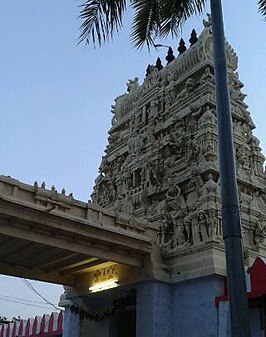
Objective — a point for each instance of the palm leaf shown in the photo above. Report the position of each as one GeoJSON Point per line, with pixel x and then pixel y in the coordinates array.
{"type": "Point", "coordinates": [174, 13]}
{"type": "Point", "coordinates": [262, 7]}
{"type": "Point", "coordinates": [146, 21]}
{"type": "Point", "coordinates": [158, 18]}
{"type": "Point", "coordinates": [101, 20]}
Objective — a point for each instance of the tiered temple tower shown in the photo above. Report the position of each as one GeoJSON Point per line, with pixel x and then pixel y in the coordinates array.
{"type": "Point", "coordinates": [160, 170]}
{"type": "Point", "coordinates": [161, 162]}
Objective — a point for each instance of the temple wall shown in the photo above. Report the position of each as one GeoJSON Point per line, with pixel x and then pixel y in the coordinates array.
{"type": "Point", "coordinates": [154, 309]}
{"type": "Point", "coordinates": [195, 314]}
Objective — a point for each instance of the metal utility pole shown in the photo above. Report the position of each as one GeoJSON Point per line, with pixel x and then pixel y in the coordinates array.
{"type": "Point", "coordinates": [230, 206]}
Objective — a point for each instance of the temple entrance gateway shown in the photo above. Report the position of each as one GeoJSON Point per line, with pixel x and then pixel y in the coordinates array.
{"type": "Point", "coordinates": [150, 241]}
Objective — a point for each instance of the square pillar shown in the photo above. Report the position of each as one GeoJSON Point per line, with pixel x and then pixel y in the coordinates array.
{"type": "Point", "coordinates": [195, 313]}
{"type": "Point", "coordinates": [71, 324]}
{"type": "Point", "coordinates": [154, 310]}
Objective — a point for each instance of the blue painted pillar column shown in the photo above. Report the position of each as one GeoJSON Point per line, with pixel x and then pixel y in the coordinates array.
{"type": "Point", "coordinates": [154, 310]}
{"type": "Point", "coordinates": [71, 322]}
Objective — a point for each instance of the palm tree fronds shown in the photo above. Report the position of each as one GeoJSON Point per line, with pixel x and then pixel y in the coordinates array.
{"type": "Point", "coordinates": [145, 22]}
{"type": "Point", "coordinates": [101, 20]}
{"type": "Point", "coordinates": [174, 13]}
{"type": "Point", "coordinates": [158, 18]}
{"type": "Point", "coordinates": [262, 7]}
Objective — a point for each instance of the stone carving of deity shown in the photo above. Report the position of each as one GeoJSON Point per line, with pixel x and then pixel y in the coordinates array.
{"type": "Point", "coordinates": [174, 198]}
{"type": "Point", "coordinates": [190, 85]}
{"type": "Point", "coordinates": [203, 226]}
{"type": "Point", "coordinates": [139, 143]}
{"type": "Point", "coordinates": [257, 203]}
{"type": "Point", "coordinates": [215, 230]}
{"type": "Point", "coordinates": [151, 78]}
{"type": "Point", "coordinates": [169, 100]}
{"type": "Point", "coordinates": [193, 196]}
{"type": "Point", "coordinates": [179, 237]}
{"type": "Point", "coordinates": [117, 109]}
{"type": "Point", "coordinates": [210, 187]}
{"type": "Point", "coordinates": [208, 76]}
{"type": "Point", "coordinates": [113, 138]}
{"type": "Point", "coordinates": [126, 204]}
{"type": "Point", "coordinates": [133, 86]}
{"type": "Point", "coordinates": [260, 230]}
{"type": "Point", "coordinates": [245, 198]}
{"type": "Point", "coordinates": [191, 125]}
{"type": "Point", "coordinates": [169, 162]}
{"type": "Point", "coordinates": [207, 118]}
{"type": "Point", "coordinates": [235, 87]}
{"type": "Point", "coordinates": [154, 108]}
{"type": "Point", "coordinates": [126, 178]}
{"type": "Point", "coordinates": [242, 160]}
{"type": "Point", "coordinates": [193, 152]}
{"type": "Point", "coordinates": [197, 227]}
{"type": "Point", "coordinates": [238, 130]}
{"type": "Point", "coordinates": [256, 159]}
{"type": "Point", "coordinates": [165, 233]}
{"type": "Point", "coordinates": [191, 228]}
{"type": "Point", "coordinates": [179, 128]}
{"type": "Point", "coordinates": [209, 149]}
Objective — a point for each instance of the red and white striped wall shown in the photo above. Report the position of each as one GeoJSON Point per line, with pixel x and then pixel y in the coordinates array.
{"type": "Point", "coordinates": [45, 326]}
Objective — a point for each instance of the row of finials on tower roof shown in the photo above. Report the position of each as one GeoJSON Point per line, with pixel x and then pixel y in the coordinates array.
{"type": "Point", "coordinates": [170, 53]}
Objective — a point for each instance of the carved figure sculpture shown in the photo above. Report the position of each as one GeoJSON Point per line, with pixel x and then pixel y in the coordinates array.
{"type": "Point", "coordinates": [260, 230]}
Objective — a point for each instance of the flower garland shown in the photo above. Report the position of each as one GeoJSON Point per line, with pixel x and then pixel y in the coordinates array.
{"type": "Point", "coordinates": [107, 312]}
{"type": "Point", "coordinates": [92, 315]}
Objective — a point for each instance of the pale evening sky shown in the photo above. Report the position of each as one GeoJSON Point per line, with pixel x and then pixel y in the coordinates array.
{"type": "Point", "coordinates": [56, 95]}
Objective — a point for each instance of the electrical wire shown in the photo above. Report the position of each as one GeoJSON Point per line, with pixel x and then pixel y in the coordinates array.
{"type": "Point", "coordinates": [21, 299]}
{"type": "Point", "coordinates": [30, 286]}
{"type": "Point", "coordinates": [28, 304]}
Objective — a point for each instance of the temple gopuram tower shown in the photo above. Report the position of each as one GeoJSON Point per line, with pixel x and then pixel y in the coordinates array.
{"type": "Point", "coordinates": [160, 171]}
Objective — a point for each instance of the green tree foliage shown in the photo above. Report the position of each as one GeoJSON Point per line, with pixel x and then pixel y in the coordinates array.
{"type": "Point", "coordinates": [152, 18]}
